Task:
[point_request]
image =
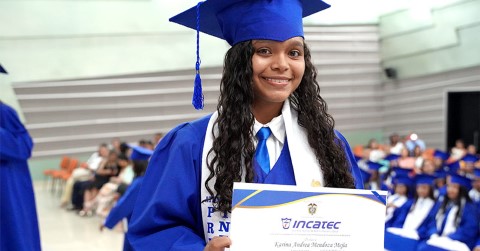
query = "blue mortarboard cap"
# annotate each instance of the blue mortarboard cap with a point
(391, 157)
(441, 154)
(476, 172)
(140, 153)
(402, 172)
(454, 167)
(373, 165)
(461, 180)
(424, 179)
(2, 70)
(470, 158)
(440, 174)
(405, 180)
(241, 20)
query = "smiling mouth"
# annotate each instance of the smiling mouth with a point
(278, 81)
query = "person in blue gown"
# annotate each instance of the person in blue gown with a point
(271, 126)
(18, 216)
(124, 207)
(409, 223)
(456, 223)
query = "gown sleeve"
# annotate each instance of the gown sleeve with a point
(15, 142)
(351, 159)
(167, 214)
(124, 206)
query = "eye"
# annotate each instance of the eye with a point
(264, 51)
(295, 53)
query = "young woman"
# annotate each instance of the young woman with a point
(456, 223)
(410, 222)
(268, 87)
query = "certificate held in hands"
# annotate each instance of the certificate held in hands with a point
(277, 217)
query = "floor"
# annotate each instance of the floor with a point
(62, 230)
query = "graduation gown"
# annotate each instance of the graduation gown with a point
(168, 215)
(124, 208)
(466, 232)
(397, 242)
(18, 216)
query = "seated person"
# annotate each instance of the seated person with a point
(456, 224)
(410, 222)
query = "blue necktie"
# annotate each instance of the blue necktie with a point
(261, 155)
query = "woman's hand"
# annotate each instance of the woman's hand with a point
(218, 244)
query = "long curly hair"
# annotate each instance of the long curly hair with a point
(231, 156)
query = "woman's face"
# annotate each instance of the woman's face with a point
(453, 190)
(423, 190)
(428, 167)
(401, 189)
(278, 69)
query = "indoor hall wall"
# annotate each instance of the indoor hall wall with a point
(419, 104)
(424, 40)
(71, 117)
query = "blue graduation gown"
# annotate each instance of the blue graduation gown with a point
(18, 215)
(396, 242)
(466, 231)
(167, 215)
(124, 208)
(401, 213)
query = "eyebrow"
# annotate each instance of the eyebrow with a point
(294, 42)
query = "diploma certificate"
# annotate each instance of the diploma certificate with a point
(277, 217)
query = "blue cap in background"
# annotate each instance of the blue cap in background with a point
(140, 153)
(461, 180)
(454, 167)
(441, 155)
(470, 158)
(391, 157)
(424, 179)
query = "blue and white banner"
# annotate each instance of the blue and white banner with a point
(277, 217)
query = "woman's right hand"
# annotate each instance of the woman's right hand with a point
(218, 244)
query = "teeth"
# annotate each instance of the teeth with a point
(277, 80)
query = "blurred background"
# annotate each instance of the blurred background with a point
(82, 72)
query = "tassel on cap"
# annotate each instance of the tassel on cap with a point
(197, 99)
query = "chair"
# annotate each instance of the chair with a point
(48, 173)
(59, 175)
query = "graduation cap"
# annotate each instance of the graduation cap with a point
(461, 180)
(236, 21)
(476, 172)
(424, 179)
(374, 165)
(2, 70)
(402, 172)
(404, 180)
(391, 157)
(441, 155)
(440, 174)
(470, 158)
(454, 167)
(140, 153)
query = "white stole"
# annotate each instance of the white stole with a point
(305, 166)
(450, 223)
(414, 219)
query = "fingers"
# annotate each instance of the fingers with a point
(218, 244)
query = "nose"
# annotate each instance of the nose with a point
(280, 63)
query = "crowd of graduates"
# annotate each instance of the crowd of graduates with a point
(434, 195)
